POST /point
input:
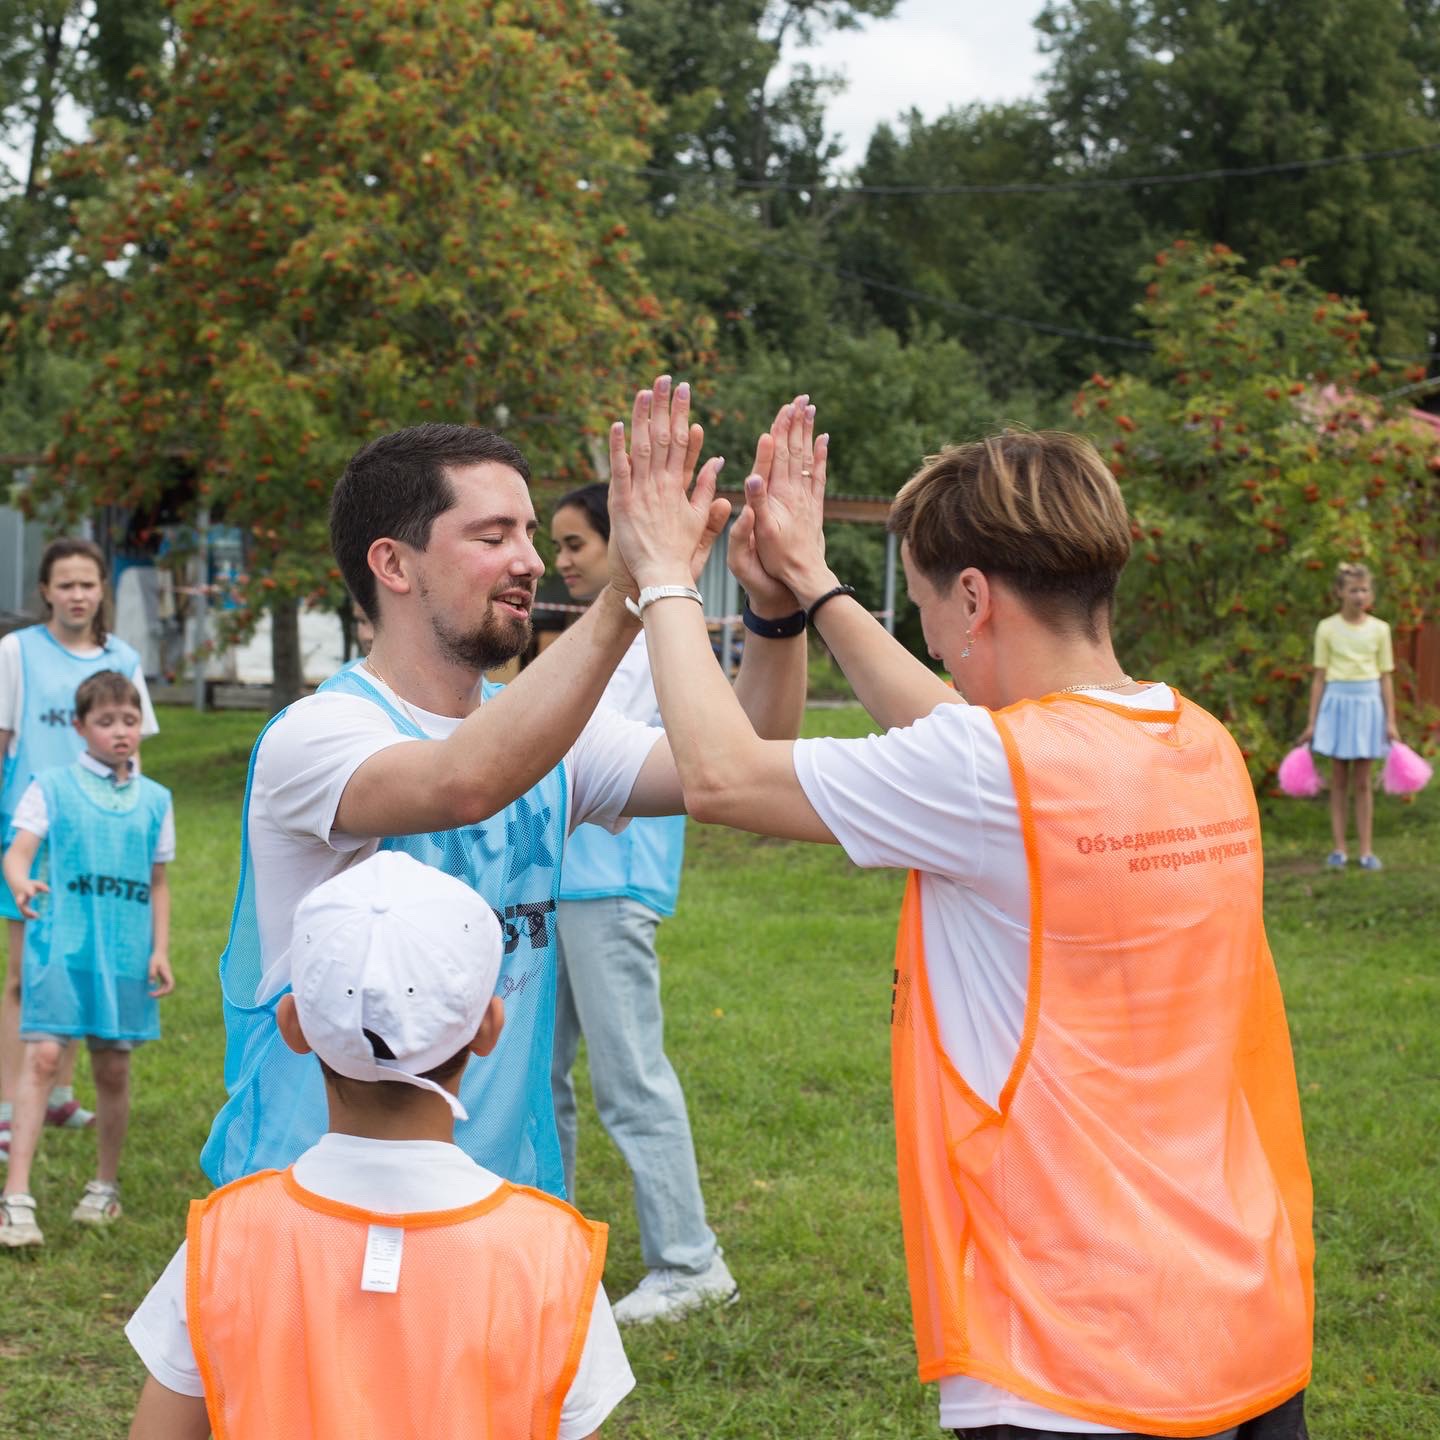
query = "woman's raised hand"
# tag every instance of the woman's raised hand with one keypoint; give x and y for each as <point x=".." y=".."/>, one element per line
<point x="664" y="518"/>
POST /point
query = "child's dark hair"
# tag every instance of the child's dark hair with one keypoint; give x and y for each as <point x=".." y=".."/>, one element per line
<point x="594" y="500"/>
<point x="105" y="687"/>
<point x="69" y="547"/>
<point x="392" y="1094"/>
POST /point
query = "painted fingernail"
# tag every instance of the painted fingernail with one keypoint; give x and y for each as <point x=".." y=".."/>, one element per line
<point x="719" y="463"/>
<point x="617" y="430"/>
<point x="644" y="399"/>
<point x="824" y="439"/>
<point x="809" y="412"/>
<point x="752" y="484"/>
<point x="662" y="385"/>
<point x="682" y="390"/>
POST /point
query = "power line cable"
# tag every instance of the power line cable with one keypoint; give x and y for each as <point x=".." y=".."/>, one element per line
<point x="1044" y="187"/>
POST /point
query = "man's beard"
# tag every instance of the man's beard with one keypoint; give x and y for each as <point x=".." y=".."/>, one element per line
<point x="494" y="643"/>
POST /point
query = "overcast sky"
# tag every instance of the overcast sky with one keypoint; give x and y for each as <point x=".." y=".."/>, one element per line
<point x="932" y="55"/>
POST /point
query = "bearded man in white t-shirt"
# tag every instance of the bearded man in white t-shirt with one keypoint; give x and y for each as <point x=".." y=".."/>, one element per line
<point x="1103" y="1181"/>
<point x="433" y="530"/>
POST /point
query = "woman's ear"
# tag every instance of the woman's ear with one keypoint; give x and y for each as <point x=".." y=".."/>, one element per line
<point x="488" y="1035"/>
<point x="288" y="1019"/>
<point x="973" y="589"/>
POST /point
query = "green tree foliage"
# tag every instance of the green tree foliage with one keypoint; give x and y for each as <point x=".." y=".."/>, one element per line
<point x="711" y="63"/>
<point x="717" y="237"/>
<point x="1143" y="87"/>
<point x="883" y="403"/>
<point x="1160" y="87"/>
<point x="1257" y="450"/>
<point x="1012" y="275"/>
<point x="340" y="218"/>
<point x="59" y="60"/>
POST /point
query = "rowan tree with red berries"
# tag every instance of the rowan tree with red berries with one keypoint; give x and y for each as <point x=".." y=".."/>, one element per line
<point x="338" y="219"/>
<point x="1260" y="446"/>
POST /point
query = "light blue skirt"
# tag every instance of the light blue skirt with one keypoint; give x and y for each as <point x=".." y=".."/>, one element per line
<point x="1351" y="722"/>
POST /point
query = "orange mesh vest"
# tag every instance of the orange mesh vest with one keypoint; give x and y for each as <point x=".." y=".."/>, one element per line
<point x="1127" y="1237"/>
<point x="482" y="1338"/>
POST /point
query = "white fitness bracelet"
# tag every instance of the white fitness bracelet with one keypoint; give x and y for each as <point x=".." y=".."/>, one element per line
<point x="651" y="593"/>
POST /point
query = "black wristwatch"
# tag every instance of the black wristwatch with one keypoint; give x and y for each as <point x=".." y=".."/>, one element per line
<point x="783" y="629"/>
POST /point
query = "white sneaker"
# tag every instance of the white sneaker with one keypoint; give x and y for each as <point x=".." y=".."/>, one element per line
<point x="17" y="1222"/>
<point x="99" y="1203"/>
<point x="669" y="1294"/>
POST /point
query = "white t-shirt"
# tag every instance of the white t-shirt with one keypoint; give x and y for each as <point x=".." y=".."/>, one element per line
<point x="307" y="758"/>
<point x="631" y="689"/>
<point x="937" y="797"/>
<point x="12" y="689"/>
<point x="389" y="1177"/>
<point x="33" y="814"/>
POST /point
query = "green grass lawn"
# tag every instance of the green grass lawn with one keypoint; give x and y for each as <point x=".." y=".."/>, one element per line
<point x="777" y="985"/>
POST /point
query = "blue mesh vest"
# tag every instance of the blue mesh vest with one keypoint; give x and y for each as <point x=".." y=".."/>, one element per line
<point x="87" y="958"/>
<point x="277" y="1107"/>
<point x="47" y="737"/>
<point x="643" y="862"/>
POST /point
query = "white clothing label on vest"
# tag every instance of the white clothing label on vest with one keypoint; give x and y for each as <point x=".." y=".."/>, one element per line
<point x="383" y="1248"/>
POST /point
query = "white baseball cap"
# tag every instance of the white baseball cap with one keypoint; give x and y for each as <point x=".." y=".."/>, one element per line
<point x="393" y="964"/>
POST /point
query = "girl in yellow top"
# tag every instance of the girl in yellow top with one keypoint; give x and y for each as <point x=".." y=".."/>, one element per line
<point x="1352" y="705"/>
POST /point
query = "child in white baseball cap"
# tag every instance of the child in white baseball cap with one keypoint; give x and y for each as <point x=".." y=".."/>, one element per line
<point x="385" y="1284"/>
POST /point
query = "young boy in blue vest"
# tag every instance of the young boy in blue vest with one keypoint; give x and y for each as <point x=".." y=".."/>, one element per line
<point x="97" y="938"/>
<point x="385" y="1283"/>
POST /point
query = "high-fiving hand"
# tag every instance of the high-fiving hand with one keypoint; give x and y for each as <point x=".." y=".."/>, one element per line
<point x="661" y="526"/>
<point x="780" y="468"/>
<point x="782" y="524"/>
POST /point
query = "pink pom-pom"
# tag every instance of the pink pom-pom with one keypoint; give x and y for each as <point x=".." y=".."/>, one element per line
<point x="1405" y="771"/>
<point x="1298" y="775"/>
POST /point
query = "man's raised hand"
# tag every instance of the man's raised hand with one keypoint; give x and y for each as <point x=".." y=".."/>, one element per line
<point x="787" y="499"/>
<point x="768" y="596"/>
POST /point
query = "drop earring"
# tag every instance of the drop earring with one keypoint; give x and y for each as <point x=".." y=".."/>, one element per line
<point x="964" y="654"/>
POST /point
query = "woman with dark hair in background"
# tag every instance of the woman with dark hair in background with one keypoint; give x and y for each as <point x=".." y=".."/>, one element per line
<point x="614" y="891"/>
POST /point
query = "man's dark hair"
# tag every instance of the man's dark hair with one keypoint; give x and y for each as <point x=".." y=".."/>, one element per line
<point x="105" y="687"/>
<point x="396" y="485"/>
<point x="594" y="500"/>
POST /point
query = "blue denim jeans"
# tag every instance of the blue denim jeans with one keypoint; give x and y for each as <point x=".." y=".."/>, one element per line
<point x="609" y="991"/>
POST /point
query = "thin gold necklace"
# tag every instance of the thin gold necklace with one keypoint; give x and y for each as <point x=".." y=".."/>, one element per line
<point x="374" y="669"/>
<point x="1105" y="685"/>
